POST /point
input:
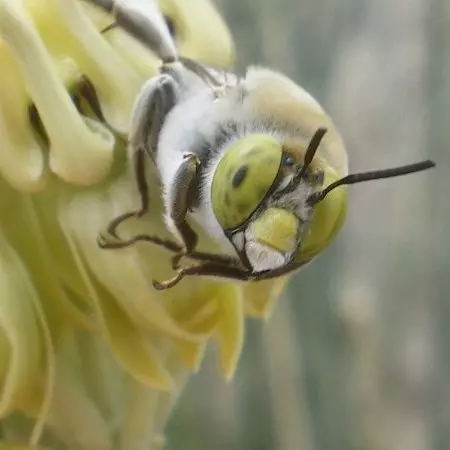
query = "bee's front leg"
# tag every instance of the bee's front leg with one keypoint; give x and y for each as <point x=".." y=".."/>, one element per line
<point x="181" y="199"/>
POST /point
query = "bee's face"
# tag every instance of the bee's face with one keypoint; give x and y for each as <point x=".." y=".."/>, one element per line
<point x="261" y="202"/>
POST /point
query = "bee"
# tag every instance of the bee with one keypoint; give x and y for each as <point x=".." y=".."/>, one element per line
<point x="253" y="160"/>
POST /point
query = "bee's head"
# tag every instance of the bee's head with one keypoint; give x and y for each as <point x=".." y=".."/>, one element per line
<point x="260" y="193"/>
<point x="277" y="203"/>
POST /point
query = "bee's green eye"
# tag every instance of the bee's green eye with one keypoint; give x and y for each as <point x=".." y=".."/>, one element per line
<point x="328" y="218"/>
<point x="243" y="177"/>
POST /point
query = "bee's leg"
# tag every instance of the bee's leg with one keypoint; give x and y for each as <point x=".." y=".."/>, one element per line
<point x="182" y="198"/>
<point x="219" y="269"/>
<point x="145" y="22"/>
<point x="139" y="172"/>
<point x="208" y="269"/>
<point x="157" y="98"/>
<point x="204" y="73"/>
<point x="173" y="247"/>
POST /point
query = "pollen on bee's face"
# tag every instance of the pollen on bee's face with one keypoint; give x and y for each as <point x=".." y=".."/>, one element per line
<point x="262" y="257"/>
<point x="272" y="239"/>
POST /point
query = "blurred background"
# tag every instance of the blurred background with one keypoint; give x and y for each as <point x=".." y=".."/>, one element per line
<point x="357" y="353"/>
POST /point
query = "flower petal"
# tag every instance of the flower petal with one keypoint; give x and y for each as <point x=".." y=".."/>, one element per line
<point x="72" y="34"/>
<point x="261" y="296"/>
<point x="203" y="35"/>
<point x="23" y="353"/>
<point x="230" y="328"/>
<point x="80" y="148"/>
<point x="22" y="157"/>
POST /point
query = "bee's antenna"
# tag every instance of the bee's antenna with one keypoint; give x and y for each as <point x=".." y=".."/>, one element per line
<point x="373" y="175"/>
<point x="313" y="146"/>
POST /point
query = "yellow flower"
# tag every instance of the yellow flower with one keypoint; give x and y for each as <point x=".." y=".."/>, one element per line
<point x="91" y="356"/>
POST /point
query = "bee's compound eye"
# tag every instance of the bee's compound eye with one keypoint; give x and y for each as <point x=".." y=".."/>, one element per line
<point x="327" y="220"/>
<point x="243" y="177"/>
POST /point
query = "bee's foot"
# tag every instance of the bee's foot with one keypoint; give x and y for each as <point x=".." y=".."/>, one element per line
<point x="171" y="282"/>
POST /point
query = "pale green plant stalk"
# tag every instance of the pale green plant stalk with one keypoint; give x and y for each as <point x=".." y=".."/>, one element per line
<point x="91" y="356"/>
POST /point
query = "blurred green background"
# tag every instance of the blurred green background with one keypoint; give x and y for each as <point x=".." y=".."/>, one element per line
<point x="357" y="353"/>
